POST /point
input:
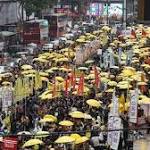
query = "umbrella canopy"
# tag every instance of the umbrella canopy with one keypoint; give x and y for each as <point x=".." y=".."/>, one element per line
<point x="77" y="114"/>
<point x="24" y="133"/>
<point x="50" y="117"/>
<point x="81" y="140"/>
<point x="66" y="123"/>
<point x="46" y="120"/>
<point x="41" y="134"/>
<point x="83" y="68"/>
<point x="93" y="103"/>
<point x="26" y="67"/>
<point x="65" y="139"/>
<point x="33" y="142"/>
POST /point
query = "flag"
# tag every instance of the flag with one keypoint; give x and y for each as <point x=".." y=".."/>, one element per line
<point x="66" y="86"/>
<point x="81" y="85"/>
<point x="97" y="80"/>
<point x="133" y="33"/>
<point x="122" y="101"/>
<point x="144" y="33"/>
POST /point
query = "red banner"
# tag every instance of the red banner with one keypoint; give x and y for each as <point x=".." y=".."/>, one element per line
<point x="81" y="86"/>
<point x="97" y="80"/>
<point x="10" y="143"/>
<point x="66" y="86"/>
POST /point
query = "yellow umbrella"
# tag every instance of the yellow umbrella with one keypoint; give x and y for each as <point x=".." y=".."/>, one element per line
<point x="144" y="101"/>
<point x="142" y="83"/>
<point x="49" y="71"/>
<point x="50" y="116"/>
<point x="66" y="123"/>
<point x="60" y="79"/>
<point x="81" y="140"/>
<point x="128" y="72"/>
<point x="126" y="86"/>
<point x="103" y="79"/>
<point x="93" y="103"/>
<point x="109" y="90"/>
<point x="64" y="59"/>
<point x="33" y="142"/>
<point x="5" y="83"/>
<point x="75" y="136"/>
<point x="44" y="79"/>
<point x="77" y="114"/>
<point x="80" y="40"/>
<point x="65" y="139"/>
<point x="89" y="62"/>
<point x="26" y="67"/>
<point x="83" y="68"/>
<point x="54" y="68"/>
<point x="87" y="116"/>
<point x="46" y="96"/>
<point x="112" y="83"/>
<point x="40" y="60"/>
<point x="63" y="69"/>
<point x="46" y="120"/>
<point x="44" y="74"/>
<point x="30" y="75"/>
<point x="41" y="134"/>
<point x="28" y="71"/>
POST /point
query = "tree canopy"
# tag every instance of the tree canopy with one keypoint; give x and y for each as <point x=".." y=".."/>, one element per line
<point x="35" y="5"/>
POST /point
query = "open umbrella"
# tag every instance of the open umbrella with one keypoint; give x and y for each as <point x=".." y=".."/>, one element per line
<point x="83" y="68"/>
<point x="24" y="133"/>
<point x="66" y="123"/>
<point x="33" y="142"/>
<point x="65" y="139"/>
<point x="26" y="67"/>
<point x="77" y="114"/>
<point x="81" y="140"/>
<point x="50" y="116"/>
<point x="41" y="134"/>
<point x="46" y="120"/>
<point x="93" y="103"/>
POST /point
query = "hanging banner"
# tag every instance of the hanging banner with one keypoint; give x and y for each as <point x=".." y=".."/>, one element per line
<point x="6" y="97"/>
<point x="10" y="143"/>
<point x="133" y="107"/>
<point x="113" y="137"/>
<point x="115" y="134"/>
<point x="115" y="107"/>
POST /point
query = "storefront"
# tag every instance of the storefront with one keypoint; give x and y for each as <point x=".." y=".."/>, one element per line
<point x="108" y="11"/>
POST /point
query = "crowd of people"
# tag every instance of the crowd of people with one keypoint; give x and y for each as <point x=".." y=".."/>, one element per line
<point x="55" y="99"/>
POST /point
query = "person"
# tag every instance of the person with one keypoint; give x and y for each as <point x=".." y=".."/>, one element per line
<point x="124" y="118"/>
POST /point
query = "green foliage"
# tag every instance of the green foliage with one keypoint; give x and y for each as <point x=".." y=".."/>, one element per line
<point x="35" y="5"/>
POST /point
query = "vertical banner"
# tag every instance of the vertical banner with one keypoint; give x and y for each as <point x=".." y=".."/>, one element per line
<point x="115" y="134"/>
<point x="115" y="107"/>
<point x="7" y="97"/>
<point x="113" y="137"/>
<point x="133" y="107"/>
<point x="10" y="143"/>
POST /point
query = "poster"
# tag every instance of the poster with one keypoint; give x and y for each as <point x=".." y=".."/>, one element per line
<point x="133" y="107"/>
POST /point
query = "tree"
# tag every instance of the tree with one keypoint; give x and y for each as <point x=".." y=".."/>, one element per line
<point x="35" y="6"/>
